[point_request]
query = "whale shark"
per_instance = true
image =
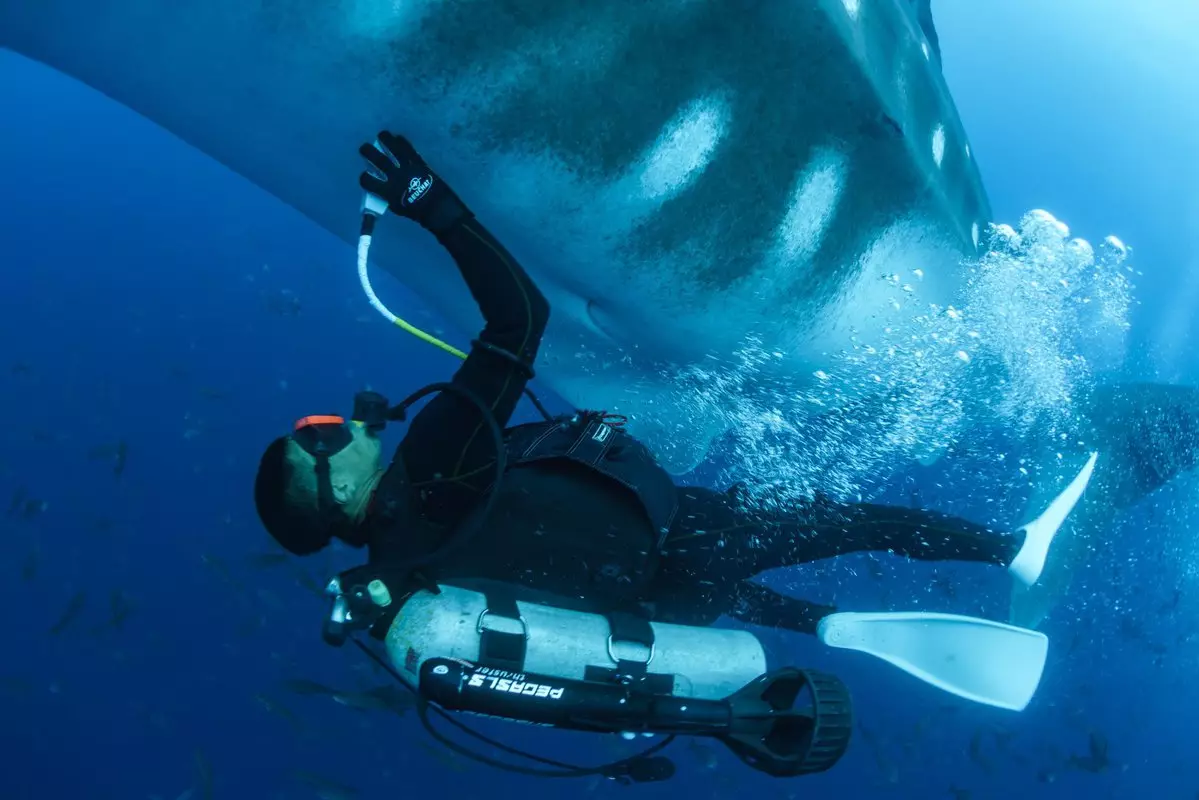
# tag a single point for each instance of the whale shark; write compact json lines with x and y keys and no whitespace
{"x":683,"y":179}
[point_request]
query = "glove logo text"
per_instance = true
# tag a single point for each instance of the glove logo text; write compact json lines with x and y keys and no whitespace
{"x":418,"y":187}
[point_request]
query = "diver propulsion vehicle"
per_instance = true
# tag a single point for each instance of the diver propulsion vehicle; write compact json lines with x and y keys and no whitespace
{"x":485,"y":652}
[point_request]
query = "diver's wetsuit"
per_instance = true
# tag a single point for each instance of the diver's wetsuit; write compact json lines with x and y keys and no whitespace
{"x":721,"y":541}
{"x":712,"y":546}
{"x":447,"y":451}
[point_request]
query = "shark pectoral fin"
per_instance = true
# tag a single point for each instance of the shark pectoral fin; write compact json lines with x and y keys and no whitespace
{"x":981,"y":660}
{"x":1152,"y":432}
{"x":1029,"y":563}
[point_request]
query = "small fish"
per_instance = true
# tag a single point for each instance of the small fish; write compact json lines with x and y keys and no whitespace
{"x":381,"y":698}
{"x":281,"y":711}
{"x":186,"y":794}
{"x":34,"y":507}
{"x":73,"y":609}
{"x":23,"y":506}
{"x":222,"y":570}
{"x":269,"y":599}
{"x":117,"y":453}
{"x":267,"y":560}
{"x":959,"y":794}
{"x":18,"y":500}
{"x":119,"y":609}
{"x":15,"y":686}
{"x":310,"y":584}
{"x":29,"y":567}
{"x":203,"y":774}
{"x":977,"y":754}
{"x":445,"y":758}
{"x":886,"y":767}
{"x":118,"y":464}
{"x":324,"y":788}
{"x":306,"y":688}
{"x":284,"y":303}
{"x":21,"y":368}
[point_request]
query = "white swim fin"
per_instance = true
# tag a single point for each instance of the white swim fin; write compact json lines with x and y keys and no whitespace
{"x":988,"y":662}
{"x":1028,"y":564}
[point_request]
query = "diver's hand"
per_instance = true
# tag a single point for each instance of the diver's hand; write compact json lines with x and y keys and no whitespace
{"x":402,"y":178}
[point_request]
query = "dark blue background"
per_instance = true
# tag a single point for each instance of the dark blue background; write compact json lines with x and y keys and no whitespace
{"x":151,"y":296}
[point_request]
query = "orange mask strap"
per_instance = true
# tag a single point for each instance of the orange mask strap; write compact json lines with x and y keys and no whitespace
{"x":319,"y":419}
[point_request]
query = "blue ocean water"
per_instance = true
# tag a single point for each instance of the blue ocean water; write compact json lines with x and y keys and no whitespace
{"x":164,"y":319}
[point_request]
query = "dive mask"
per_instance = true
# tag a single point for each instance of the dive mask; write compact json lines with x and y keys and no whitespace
{"x":323,"y":436}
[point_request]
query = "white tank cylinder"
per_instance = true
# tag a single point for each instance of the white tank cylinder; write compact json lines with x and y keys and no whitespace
{"x":708,"y":663}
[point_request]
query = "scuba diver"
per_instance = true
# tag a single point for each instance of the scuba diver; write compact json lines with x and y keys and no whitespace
{"x":571,"y":513}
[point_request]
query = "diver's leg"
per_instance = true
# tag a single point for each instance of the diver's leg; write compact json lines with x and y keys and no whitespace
{"x":712,"y":551}
{"x":828,"y":528}
{"x":723,"y":532}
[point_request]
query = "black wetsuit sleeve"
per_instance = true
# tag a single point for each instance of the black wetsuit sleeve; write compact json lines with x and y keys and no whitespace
{"x":448,"y":450}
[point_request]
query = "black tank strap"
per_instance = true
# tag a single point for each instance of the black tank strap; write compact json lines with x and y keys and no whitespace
{"x":630,"y":629}
{"x":502,"y":649}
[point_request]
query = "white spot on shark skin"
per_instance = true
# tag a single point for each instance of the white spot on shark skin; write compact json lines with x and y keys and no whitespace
{"x":816,"y":197}
{"x":900,"y":248}
{"x":967,"y":149}
{"x":852,"y":7}
{"x":924,"y":49}
{"x":938,"y":144}
{"x":684,"y":148}
{"x":974,"y":234}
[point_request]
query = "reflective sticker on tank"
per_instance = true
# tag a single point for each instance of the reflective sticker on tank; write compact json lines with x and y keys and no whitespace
{"x":514,"y":686}
{"x":411,"y":660}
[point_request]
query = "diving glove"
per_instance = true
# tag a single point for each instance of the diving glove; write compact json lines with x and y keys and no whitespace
{"x":398,"y":175}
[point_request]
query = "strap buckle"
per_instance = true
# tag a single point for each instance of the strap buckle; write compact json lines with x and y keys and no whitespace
{"x":624,"y":661}
{"x":479,"y":629}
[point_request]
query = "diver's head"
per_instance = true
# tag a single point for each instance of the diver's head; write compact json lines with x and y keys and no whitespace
{"x":317,"y":483}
